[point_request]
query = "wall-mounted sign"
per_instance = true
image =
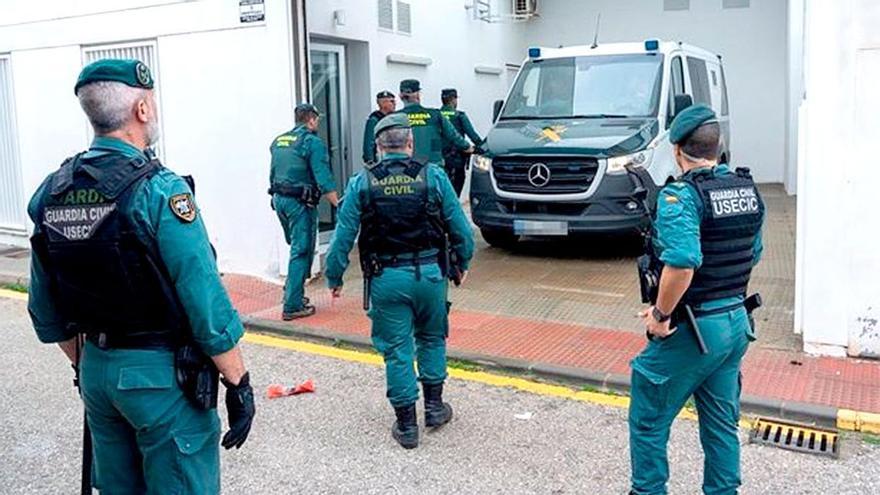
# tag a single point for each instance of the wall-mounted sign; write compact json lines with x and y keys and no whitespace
{"x":251,"y":11}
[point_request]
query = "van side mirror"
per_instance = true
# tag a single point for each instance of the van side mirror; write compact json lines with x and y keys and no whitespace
{"x":678,"y":104}
{"x":496,"y":110}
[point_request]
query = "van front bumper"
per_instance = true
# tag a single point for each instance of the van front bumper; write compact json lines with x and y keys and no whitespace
{"x":612,"y":209}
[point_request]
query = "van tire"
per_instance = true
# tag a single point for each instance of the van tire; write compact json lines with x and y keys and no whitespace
{"x":499,"y":238}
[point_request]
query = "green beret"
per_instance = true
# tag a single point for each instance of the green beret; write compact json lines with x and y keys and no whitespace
{"x":391,"y":121}
{"x":410,"y":86}
{"x":132,"y":73}
{"x":688,"y":120}
{"x":307,"y":107}
{"x":449,"y":92}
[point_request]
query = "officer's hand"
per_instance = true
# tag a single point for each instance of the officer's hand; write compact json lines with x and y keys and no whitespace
{"x":240,"y":408}
{"x":464,"y":275}
{"x":654,"y":327}
{"x":470,"y":150}
{"x":336,"y":291}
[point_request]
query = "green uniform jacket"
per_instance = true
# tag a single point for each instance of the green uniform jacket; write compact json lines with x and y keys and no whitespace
{"x":183,"y":247}
{"x":430,"y":132}
{"x":349,"y":221}
{"x":369,"y":152}
{"x":299,"y":157}
{"x":462,"y":124}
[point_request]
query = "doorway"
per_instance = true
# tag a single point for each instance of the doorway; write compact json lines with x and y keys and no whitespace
{"x":329,"y":83}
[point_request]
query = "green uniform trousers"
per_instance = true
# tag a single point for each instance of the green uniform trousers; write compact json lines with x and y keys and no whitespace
{"x":300,"y":225}
{"x":147,"y":437}
{"x":408,"y":312}
{"x":665,"y":375}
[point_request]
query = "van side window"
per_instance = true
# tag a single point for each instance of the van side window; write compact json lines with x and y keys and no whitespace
{"x":699,"y":81}
{"x":676,"y":83}
{"x":724,"y":108}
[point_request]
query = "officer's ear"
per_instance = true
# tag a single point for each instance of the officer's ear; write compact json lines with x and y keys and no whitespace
{"x":142,"y":110}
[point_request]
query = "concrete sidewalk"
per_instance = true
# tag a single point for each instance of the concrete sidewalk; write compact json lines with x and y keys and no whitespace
{"x":782,"y":383}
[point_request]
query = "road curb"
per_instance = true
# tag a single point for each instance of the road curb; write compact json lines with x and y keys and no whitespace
{"x":7,"y":278}
{"x":817,"y":414}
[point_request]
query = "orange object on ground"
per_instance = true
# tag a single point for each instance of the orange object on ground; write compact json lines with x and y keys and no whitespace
{"x":276,"y":390}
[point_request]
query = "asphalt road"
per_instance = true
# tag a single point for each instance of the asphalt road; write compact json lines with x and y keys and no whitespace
{"x":337,"y":440}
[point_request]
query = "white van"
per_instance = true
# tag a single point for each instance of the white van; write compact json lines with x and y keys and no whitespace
{"x":554,"y":162}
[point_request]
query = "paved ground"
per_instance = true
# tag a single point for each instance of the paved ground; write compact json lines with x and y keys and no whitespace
{"x":337,"y":441}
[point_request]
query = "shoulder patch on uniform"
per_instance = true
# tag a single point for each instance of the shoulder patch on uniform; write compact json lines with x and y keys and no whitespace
{"x":183,"y":207}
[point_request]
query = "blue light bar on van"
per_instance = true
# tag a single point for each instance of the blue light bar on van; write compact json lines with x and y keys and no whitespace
{"x":534,"y":52}
{"x":652,"y":45}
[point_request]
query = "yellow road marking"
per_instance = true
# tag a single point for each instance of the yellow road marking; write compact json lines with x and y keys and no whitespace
{"x":472,"y":376}
{"x":11,"y":294}
{"x":846,"y":419}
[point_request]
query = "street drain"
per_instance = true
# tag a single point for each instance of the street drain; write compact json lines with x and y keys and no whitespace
{"x":796,"y":436}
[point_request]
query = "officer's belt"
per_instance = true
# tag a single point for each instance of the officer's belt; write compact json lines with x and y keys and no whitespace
{"x":286,"y":190}
{"x":166,"y":341}
{"x":398,"y":261}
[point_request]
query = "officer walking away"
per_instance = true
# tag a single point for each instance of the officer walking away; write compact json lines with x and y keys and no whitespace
{"x":413,"y":236}
{"x":456,"y":161}
{"x":299,"y":176}
{"x":706,"y":239}
{"x":121,"y":256}
{"x":431,"y":132}
{"x":386,"y":103}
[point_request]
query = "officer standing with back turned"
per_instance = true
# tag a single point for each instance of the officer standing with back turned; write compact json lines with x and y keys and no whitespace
{"x":456,"y":161}
{"x":431,"y":132}
{"x":299,"y":176}
{"x":413,"y":236}
{"x":707,"y":238}
{"x":121,"y":256}
{"x":385,"y":102}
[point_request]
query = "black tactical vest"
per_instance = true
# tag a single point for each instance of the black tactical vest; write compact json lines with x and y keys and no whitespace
{"x":104,"y":277}
{"x":732,"y":214}
{"x":397,"y":216}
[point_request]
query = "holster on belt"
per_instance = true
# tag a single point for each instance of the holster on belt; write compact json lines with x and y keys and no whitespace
{"x":197,"y":376}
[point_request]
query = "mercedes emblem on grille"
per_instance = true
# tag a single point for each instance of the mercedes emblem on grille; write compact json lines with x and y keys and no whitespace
{"x":539,"y":175}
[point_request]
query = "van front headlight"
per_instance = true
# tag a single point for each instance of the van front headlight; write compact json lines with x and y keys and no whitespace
{"x":482,"y":162}
{"x":618,"y":164}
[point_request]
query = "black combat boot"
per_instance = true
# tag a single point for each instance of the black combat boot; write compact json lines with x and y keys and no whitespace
{"x":437,"y":412}
{"x":406,"y":428}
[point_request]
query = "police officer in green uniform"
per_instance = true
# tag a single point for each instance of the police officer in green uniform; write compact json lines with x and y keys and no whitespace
{"x":386,"y":102}
{"x":121,"y":256}
{"x":299,"y":176}
{"x":706,"y":238}
{"x":431,"y":132}
{"x":408,"y":215}
{"x":456,"y":161}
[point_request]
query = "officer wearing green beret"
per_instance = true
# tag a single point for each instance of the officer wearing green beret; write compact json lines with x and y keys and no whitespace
{"x":456,"y":161}
{"x":121,"y":260}
{"x":430,"y":130}
{"x":386,"y":102}
{"x":706,"y":239}
{"x":408,"y":216}
{"x":299,"y":176}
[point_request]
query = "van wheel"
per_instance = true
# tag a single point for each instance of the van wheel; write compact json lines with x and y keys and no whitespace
{"x":499,"y":238}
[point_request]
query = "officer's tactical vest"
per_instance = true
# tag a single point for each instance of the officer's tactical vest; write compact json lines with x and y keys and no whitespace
{"x":397,"y":215}
{"x":732,"y":215}
{"x":104,"y":277}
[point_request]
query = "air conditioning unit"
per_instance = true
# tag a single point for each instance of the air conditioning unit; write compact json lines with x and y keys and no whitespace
{"x":524,"y":8}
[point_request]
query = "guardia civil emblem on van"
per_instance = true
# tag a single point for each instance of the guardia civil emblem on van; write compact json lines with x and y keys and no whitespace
{"x":183,"y":207}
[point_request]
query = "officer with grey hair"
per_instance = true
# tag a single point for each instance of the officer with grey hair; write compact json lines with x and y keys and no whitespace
{"x":124,"y":280}
{"x":413,"y":236}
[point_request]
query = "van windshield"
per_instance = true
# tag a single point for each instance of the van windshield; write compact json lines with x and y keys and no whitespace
{"x":587,"y":87}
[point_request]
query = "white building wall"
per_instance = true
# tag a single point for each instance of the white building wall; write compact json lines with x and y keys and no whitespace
{"x":442,"y":31}
{"x":839,"y":265}
{"x":225,"y":90}
{"x":752,"y":42}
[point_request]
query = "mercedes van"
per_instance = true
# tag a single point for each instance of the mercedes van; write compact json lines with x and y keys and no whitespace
{"x":577,"y":123}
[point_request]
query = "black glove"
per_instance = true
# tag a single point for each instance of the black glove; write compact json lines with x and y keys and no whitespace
{"x":240,"y":408}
